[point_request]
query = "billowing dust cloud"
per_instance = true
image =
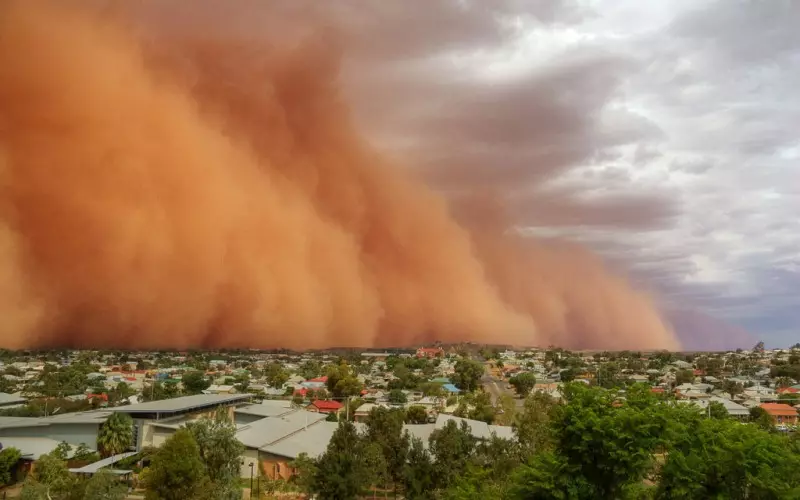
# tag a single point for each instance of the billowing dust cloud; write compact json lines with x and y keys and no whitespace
{"x":167,"y":198}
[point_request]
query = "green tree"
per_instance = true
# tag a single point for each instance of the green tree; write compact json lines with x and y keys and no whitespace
{"x":115,"y":435}
{"x":416,"y":414}
{"x":157,"y":391}
{"x":9,"y":458}
{"x":478,"y":483}
{"x":684,"y":377}
{"x":467,"y":374}
{"x":532,"y":425}
{"x":397,"y":396}
{"x":723,"y":459}
{"x":761,"y":419}
{"x":385,"y":429}
{"x":717,"y":410}
{"x":451,"y":446}
{"x":342,"y":382}
{"x":567,"y":374}
{"x":121,"y":392}
{"x":305,"y":473}
{"x":62,"y":451}
{"x":176,"y":471}
{"x":105,"y":485}
{"x":432,"y":389}
{"x":523,"y":383}
{"x":220,"y":451}
{"x":84,"y":454}
{"x":275,"y":375}
{"x":605,"y":444}
{"x":343,"y":472}
{"x":482,"y":408}
{"x":195,"y":382}
{"x":418,"y":480}
{"x":49,"y":480}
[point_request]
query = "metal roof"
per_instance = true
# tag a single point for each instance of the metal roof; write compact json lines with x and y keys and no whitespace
{"x":271,"y":429}
{"x":10,"y":399}
{"x":184,"y":403}
{"x":31,"y":447}
{"x":93,"y":468}
{"x":313,"y":441}
{"x":267,"y":408}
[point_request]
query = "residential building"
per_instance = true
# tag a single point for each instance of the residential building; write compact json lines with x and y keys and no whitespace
{"x":325,"y":406}
{"x":781,"y":413}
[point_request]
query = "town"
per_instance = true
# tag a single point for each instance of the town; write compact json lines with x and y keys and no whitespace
{"x":109,"y":411}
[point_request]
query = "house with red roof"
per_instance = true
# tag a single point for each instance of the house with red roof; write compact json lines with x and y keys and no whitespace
{"x":781,"y":413}
{"x":430,"y":352}
{"x":325,"y":406}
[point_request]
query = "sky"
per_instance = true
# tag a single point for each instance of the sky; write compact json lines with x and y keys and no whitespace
{"x":661,"y":134}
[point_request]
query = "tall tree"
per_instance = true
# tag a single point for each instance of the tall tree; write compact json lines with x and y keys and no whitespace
{"x":115,"y":435}
{"x":451,"y":446}
{"x":418,"y":480}
{"x":342,"y":382}
{"x":342,"y":472}
{"x":176,"y":470}
{"x":220,"y":451}
{"x":416,"y":414}
{"x":532,"y":426}
{"x":275,"y":375}
{"x":385,"y":429}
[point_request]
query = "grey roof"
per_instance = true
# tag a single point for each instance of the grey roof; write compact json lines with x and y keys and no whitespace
{"x":313,"y":441}
{"x":502,"y":431}
{"x":479,"y":429}
{"x":93,"y":468}
{"x":183,"y":403}
{"x":31,"y":447}
{"x":85,"y":417}
{"x":272,"y":429}
{"x":733,"y":408}
{"x":421,"y":431}
{"x":267,"y":408}
{"x":10,"y":399}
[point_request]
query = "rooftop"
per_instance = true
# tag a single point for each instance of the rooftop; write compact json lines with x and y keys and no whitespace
{"x":271,"y":429}
{"x":185,"y":403}
{"x":267,"y":408}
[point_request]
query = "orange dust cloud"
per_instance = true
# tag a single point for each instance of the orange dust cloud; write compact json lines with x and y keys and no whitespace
{"x":176,"y":198}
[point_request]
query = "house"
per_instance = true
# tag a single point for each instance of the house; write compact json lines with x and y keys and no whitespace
{"x":325,"y":406}
{"x":73,"y":428}
{"x":733,"y":409}
{"x":11,"y":400}
{"x":315,"y":383}
{"x":781,"y":413}
{"x":363,"y":411}
{"x":148,"y":416}
{"x":430,"y":352}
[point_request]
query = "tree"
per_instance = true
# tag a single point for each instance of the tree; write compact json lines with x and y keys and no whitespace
{"x":523,"y":383}
{"x":451,"y":446}
{"x":275,"y":375}
{"x":416,"y":414}
{"x":567,"y":375}
{"x":62,"y":451}
{"x":476,"y":484}
{"x":195,"y":382}
{"x":606,"y":444}
{"x":105,"y":485}
{"x":397,"y":396}
{"x":482,"y":408}
{"x":84,"y":454}
{"x":385,"y":429}
{"x":532,"y":426}
{"x":717,"y":410}
{"x":342,"y":382}
{"x":120,"y":393}
{"x":115,"y":435}
{"x":723,"y":459}
{"x":418,"y":478}
{"x":157,"y":391}
{"x":762,"y":419}
{"x":432,"y":389}
{"x":176,"y":470}
{"x":306,"y":472}
{"x":50,"y":479}
{"x":342,"y":472}
{"x":467,"y":374}
{"x":684,"y":377}
{"x":9,"y":458}
{"x":220,"y":451}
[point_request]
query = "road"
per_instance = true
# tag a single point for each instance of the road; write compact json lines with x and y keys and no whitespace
{"x":497,"y":387}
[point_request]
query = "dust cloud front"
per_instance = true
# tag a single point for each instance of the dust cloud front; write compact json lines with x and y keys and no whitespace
{"x":214,"y":193}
